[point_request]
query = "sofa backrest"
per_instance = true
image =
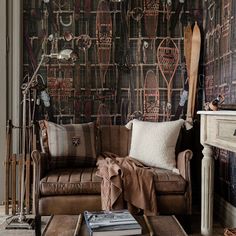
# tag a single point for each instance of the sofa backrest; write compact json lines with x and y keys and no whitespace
{"x":115,"y":139}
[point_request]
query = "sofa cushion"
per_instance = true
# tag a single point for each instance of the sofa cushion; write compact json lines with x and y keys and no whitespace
{"x":71,"y":182}
{"x":153,"y":143}
{"x":168,"y":182}
{"x":115,"y":139}
{"x":69,"y":145}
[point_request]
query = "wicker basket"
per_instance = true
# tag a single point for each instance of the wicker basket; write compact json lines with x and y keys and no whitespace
{"x":230,"y":232}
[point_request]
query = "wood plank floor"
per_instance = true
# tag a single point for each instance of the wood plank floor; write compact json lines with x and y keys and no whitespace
{"x":195,"y":226}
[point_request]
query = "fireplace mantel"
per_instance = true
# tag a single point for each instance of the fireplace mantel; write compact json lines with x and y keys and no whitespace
{"x":218,"y":129}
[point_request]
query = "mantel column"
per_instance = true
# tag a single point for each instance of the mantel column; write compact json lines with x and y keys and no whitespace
{"x":207,"y":191}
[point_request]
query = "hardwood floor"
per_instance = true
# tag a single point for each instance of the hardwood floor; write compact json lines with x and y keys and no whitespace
{"x":195,"y":226}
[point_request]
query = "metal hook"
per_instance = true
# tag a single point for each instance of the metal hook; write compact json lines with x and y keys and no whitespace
{"x":66,"y":24}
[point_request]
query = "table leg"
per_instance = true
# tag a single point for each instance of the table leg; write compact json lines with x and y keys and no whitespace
{"x":207,"y":191}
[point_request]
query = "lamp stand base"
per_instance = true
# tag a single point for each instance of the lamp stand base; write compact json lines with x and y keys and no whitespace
{"x":16,"y":223}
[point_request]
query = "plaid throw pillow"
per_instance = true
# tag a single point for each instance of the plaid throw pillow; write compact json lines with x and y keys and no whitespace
{"x":71,"y":145}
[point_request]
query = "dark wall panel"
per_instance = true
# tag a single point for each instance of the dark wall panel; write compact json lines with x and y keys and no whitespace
{"x":220,"y":78}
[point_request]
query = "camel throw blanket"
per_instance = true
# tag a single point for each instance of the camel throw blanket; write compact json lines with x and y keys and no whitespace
{"x":125,"y":180}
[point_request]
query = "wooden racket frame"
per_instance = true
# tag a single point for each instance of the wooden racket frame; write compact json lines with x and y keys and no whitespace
{"x":175,"y":65}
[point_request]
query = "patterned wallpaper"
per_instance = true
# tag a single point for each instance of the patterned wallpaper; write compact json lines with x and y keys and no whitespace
{"x":116,"y":75}
{"x":220,"y":78}
{"x":112,"y":88}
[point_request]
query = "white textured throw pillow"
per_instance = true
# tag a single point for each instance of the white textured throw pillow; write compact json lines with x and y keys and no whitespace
{"x":153,"y":144}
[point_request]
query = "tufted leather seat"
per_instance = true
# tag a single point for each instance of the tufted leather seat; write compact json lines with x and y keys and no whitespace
{"x":167,"y":182}
{"x":85,"y":181}
{"x":71,"y":182}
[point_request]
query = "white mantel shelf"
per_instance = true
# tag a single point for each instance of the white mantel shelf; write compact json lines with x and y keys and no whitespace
{"x":218,"y":129}
{"x":222,"y":112}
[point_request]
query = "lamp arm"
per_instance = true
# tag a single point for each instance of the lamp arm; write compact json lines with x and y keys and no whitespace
{"x":25,"y":91}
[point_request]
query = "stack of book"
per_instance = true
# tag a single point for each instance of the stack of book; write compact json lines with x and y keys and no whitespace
{"x":115,"y":223}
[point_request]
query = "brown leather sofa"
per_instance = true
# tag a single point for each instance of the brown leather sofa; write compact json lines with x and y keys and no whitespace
{"x":74,"y":190}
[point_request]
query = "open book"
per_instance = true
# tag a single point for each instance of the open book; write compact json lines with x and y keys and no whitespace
{"x":113,"y":223}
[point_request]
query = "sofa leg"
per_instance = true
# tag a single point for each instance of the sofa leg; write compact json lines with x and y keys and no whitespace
{"x":38,"y":225}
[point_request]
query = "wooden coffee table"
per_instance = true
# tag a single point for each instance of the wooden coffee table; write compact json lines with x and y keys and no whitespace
{"x":66,"y":224}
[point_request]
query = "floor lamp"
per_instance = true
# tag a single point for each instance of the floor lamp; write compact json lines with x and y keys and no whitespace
{"x":21,"y":222}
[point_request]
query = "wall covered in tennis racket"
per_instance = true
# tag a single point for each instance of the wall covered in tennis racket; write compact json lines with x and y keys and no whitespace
{"x":127,"y":59}
{"x":220,"y":79}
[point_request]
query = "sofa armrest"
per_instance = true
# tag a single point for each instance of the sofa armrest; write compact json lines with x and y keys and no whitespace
{"x":183,"y":163}
{"x":39,"y":169}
